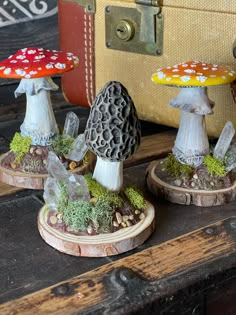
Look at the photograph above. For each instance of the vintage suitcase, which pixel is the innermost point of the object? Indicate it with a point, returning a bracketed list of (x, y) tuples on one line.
[(128, 40)]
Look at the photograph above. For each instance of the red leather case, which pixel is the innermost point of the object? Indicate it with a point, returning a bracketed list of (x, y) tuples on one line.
[(76, 29)]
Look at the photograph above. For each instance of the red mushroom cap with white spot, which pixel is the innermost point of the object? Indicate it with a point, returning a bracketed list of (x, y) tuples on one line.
[(37, 63), (194, 73)]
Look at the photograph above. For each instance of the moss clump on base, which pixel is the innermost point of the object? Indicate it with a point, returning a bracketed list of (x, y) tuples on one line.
[(32, 166), (215, 167), (77, 215), (20, 146), (135, 197), (101, 193), (62, 144), (102, 215), (86, 159), (63, 198), (175, 168)]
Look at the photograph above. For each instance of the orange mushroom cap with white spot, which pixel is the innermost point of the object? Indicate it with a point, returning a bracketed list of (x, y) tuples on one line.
[(37, 63), (194, 73)]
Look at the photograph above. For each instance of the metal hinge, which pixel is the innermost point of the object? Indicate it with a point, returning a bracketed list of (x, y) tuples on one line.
[(138, 30), (89, 5)]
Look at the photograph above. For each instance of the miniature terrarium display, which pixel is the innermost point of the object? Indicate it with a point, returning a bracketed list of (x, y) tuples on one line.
[(25, 164), (195, 172), (96, 214)]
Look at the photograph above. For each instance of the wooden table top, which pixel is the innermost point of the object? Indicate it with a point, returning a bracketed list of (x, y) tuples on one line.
[(189, 244)]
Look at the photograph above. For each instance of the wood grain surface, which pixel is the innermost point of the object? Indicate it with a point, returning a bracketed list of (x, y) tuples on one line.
[(104, 244), (184, 196), (139, 275)]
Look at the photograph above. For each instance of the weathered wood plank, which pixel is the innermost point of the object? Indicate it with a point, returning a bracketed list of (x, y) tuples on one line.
[(152, 147), (7, 189), (107, 290)]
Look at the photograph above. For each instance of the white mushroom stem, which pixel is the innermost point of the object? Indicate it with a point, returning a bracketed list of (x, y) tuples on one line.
[(191, 143), (109, 174), (39, 122)]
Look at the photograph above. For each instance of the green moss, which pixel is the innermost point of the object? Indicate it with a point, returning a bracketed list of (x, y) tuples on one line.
[(32, 166), (63, 198), (86, 159), (101, 193), (135, 197), (62, 144), (77, 215), (102, 215), (20, 146), (175, 168), (215, 167)]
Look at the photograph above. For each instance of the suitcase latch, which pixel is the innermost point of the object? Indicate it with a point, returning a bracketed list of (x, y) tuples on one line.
[(138, 30), (89, 5)]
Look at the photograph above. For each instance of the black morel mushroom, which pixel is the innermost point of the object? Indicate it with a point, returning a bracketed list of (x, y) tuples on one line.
[(112, 133)]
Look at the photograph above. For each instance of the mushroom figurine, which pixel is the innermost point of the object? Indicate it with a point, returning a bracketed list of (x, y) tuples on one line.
[(35, 66), (191, 145), (111, 218), (112, 133), (193, 78)]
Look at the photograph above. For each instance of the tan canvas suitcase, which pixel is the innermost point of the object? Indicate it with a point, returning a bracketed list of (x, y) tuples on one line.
[(128, 40)]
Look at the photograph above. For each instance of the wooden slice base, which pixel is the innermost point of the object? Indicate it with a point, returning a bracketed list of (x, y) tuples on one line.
[(174, 194), (32, 180), (97, 245)]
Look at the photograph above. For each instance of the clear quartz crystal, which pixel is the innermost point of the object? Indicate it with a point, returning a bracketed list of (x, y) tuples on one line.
[(230, 161), (75, 184), (78, 149), (51, 193), (71, 126), (224, 141), (55, 167)]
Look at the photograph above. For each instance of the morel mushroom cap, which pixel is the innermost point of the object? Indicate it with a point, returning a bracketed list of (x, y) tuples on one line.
[(35, 62), (113, 130)]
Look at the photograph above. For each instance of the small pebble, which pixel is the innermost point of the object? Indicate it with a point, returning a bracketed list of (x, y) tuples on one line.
[(31, 150), (125, 218), (53, 219), (89, 229), (177, 182), (44, 162), (13, 165), (131, 217), (195, 176), (93, 200), (128, 223), (59, 215), (212, 183), (193, 184), (163, 169), (59, 221), (72, 165), (115, 224), (38, 151), (118, 217), (142, 216), (80, 295), (137, 212), (123, 224)]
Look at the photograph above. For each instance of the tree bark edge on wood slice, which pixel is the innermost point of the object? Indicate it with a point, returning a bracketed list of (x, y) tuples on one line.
[(174, 194), (32, 180), (101, 245)]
